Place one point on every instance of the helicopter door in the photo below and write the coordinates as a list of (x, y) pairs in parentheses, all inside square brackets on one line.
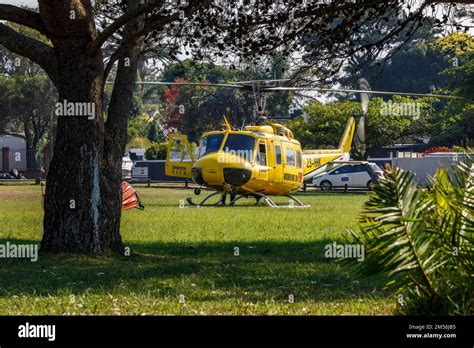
[(278, 164), (290, 168), (270, 161), (179, 157), (261, 160)]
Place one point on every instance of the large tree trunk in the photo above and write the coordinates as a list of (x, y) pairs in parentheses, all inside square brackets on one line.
[(79, 202), (121, 103), (83, 196)]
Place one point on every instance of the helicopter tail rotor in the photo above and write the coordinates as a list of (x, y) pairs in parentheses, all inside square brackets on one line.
[(359, 139)]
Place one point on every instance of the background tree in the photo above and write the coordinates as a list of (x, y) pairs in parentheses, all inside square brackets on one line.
[(157, 151), (152, 133), (414, 66), (26, 95), (325, 123), (454, 124), (27, 104), (194, 110), (138, 130)]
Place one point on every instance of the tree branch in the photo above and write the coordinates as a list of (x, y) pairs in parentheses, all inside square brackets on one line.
[(402, 26), (34, 50), (156, 22), (121, 21), (127, 43), (22, 16)]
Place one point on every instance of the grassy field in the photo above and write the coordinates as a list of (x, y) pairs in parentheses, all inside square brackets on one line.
[(183, 261)]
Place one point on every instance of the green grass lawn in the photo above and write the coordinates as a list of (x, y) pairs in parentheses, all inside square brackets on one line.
[(183, 261)]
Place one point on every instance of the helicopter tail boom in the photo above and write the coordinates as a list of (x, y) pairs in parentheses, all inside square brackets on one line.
[(318, 161)]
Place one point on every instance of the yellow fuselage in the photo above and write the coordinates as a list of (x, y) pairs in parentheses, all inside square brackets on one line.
[(273, 166), (260, 159)]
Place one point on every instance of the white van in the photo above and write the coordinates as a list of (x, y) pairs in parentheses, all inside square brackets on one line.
[(352, 175), (140, 171), (127, 166)]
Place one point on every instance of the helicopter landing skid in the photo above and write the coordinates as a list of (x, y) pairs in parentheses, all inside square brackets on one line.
[(202, 203), (294, 202)]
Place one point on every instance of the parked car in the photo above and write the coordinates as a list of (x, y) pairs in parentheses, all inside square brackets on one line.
[(140, 171), (352, 175)]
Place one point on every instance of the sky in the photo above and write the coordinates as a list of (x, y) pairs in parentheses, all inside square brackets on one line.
[(20, 2)]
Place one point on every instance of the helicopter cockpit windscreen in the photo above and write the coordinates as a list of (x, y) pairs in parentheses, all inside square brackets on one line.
[(210, 143), (240, 144)]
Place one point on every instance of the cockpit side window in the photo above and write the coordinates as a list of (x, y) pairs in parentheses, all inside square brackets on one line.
[(262, 151), (278, 154)]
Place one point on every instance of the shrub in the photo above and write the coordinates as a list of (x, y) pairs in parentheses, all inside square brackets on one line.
[(437, 149), (156, 152), (423, 239)]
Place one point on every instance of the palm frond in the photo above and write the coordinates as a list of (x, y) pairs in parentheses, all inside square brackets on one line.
[(391, 228), (423, 239)]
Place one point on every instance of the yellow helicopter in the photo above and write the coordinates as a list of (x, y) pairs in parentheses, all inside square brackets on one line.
[(261, 160), (258, 161)]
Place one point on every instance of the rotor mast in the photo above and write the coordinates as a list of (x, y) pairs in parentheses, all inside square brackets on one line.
[(260, 98)]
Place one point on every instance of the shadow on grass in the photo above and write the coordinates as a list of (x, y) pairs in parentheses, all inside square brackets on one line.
[(211, 270), (341, 192)]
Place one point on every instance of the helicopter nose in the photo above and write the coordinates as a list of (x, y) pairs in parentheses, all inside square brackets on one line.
[(220, 168), (207, 171), (197, 175)]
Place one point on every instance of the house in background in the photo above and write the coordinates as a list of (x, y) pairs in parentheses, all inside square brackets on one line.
[(13, 153), (384, 155), (412, 157), (425, 167)]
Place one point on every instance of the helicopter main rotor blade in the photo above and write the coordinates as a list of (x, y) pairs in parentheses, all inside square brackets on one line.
[(243, 85), (342, 90), (203, 84), (260, 81), (364, 96)]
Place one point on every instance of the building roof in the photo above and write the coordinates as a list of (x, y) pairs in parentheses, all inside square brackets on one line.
[(12, 142)]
